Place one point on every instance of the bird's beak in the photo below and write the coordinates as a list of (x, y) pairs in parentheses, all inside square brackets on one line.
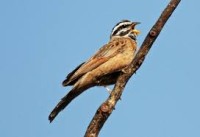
[(136, 23), (135, 31)]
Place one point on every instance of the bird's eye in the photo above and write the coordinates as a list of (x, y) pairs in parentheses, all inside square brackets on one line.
[(123, 26)]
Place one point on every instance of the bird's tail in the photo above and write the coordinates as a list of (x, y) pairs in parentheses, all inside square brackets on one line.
[(65, 101)]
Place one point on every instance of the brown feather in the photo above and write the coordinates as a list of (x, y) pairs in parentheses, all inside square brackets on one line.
[(66, 81)]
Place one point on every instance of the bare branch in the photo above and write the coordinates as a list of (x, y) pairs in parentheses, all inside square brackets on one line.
[(108, 106)]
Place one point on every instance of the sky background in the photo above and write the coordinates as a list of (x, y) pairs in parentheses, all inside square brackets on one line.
[(41, 41)]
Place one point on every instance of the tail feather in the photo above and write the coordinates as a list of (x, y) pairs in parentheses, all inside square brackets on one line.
[(63, 103)]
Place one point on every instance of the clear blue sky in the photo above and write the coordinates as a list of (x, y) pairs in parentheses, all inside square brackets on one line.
[(41, 41)]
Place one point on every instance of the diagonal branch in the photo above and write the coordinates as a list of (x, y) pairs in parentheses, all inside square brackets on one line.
[(108, 106)]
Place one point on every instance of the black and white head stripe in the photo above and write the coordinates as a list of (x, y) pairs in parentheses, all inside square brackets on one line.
[(122, 28)]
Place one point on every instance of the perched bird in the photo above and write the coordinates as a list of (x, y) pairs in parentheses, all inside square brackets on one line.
[(104, 67)]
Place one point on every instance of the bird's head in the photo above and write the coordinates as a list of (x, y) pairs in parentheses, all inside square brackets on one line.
[(125, 28)]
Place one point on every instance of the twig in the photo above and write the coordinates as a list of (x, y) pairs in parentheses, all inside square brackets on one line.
[(108, 106)]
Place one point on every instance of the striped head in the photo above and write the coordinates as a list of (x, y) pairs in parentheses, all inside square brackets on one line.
[(125, 28)]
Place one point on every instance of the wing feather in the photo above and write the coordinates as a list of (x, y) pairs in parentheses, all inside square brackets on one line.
[(64, 83), (103, 55)]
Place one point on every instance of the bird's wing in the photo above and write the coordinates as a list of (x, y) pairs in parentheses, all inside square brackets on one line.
[(70, 75), (105, 53)]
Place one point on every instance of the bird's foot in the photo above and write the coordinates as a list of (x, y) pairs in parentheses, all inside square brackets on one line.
[(109, 91)]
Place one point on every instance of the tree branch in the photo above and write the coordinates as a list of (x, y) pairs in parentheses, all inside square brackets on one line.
[(108, 106)]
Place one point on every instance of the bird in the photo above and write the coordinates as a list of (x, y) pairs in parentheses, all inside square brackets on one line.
[(104, 67)]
